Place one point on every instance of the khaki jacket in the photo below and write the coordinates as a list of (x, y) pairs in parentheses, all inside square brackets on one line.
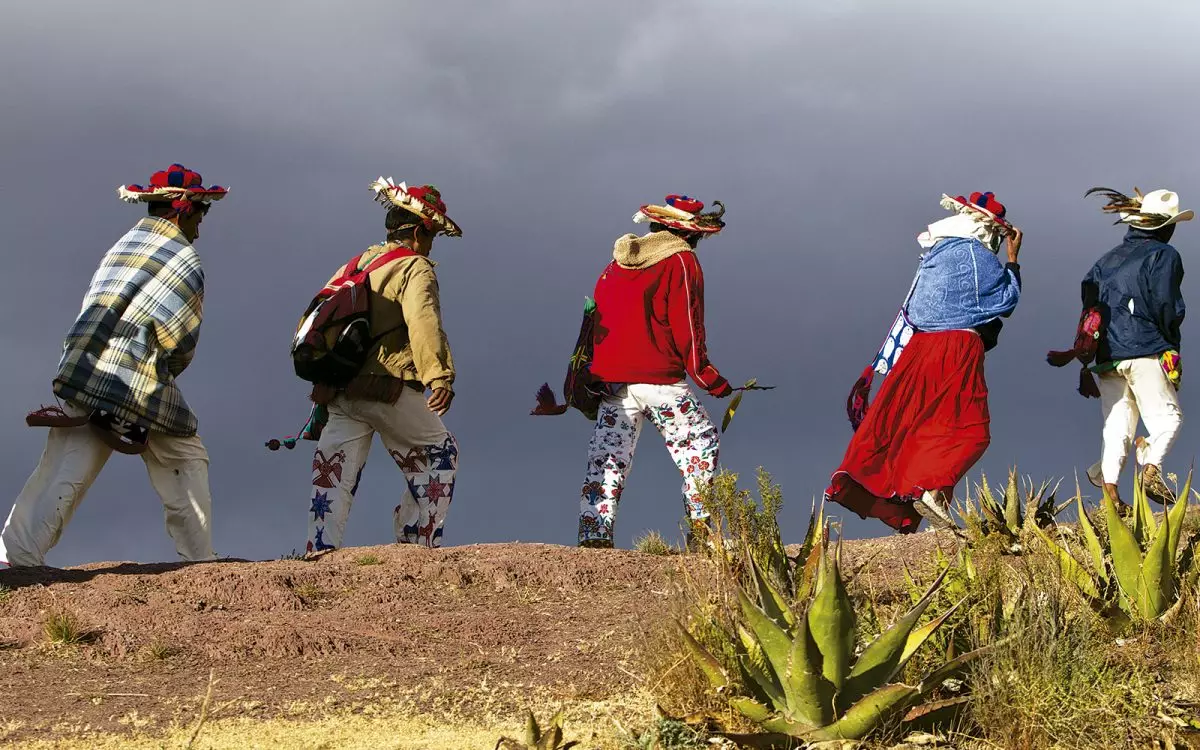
[(406, 313)]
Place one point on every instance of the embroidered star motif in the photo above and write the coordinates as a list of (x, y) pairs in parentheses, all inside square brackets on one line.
[(436, 490), (320, 506)]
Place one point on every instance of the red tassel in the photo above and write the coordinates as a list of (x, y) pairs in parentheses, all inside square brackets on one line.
[(1087, 384), (547, 404), (858, 400), (1061, 359)]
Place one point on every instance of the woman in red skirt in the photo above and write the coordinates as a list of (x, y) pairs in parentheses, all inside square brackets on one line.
[(929, 423)]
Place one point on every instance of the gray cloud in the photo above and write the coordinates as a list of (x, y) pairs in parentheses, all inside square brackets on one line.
[(829, 132)]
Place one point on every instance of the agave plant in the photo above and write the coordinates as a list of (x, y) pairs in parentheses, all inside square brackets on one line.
[(536, 738), (1016, 516), (1135, 575), (987, 612), (799, 672)]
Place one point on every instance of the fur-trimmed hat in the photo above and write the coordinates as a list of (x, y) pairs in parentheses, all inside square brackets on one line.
[(177, 185), (424, 201)]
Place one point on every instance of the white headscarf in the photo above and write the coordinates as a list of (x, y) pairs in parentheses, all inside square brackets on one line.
[(968, 225)]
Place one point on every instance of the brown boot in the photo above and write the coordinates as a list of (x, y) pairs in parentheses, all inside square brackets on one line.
[(1123, 508), (1155, 488)]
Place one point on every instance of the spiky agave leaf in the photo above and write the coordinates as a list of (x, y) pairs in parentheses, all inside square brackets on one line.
[(751, 709), (1012, 504), (883, 658), (811, 552), (868, 714), (1091, 539), (1144, 526), (831, 621), (1177, 514), (775, 646), (772, 600), (1126, 554), (533, 733), (917, 637), (1156, 584), (809, 695), (708, 664), (1070, 568), (989, 508)]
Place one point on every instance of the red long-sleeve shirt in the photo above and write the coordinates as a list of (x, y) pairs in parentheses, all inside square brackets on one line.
[(650, 325)]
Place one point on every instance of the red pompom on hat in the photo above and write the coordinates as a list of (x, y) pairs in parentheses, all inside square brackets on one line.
[(177, 185), (986, 204), (684, 203)]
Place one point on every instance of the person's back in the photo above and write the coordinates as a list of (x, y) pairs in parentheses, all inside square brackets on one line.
[(136, 332), (648, 336), (409, 354), (1136, 285), (1129, 335), (405, 318), (650, 314)]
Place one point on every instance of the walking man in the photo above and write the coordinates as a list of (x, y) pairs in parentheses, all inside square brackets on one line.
[(649, 334), (406, 354), (136, 334), (1133, 310)]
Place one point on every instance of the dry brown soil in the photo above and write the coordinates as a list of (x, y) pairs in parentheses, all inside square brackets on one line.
[(480, 624)]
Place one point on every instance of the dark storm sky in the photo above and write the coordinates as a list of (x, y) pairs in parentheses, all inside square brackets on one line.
[(829, 132)]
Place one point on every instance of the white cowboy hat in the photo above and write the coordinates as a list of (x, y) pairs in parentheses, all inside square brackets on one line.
[(1154, 210), (1160, 206)]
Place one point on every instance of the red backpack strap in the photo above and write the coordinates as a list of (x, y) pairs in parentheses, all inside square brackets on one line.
[(350, 269), (388, 257)]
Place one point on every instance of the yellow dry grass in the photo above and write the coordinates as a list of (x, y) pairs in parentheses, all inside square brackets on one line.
[(388, 725)]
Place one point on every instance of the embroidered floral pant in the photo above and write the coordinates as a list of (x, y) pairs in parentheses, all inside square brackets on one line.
[(73, 458), (417, 441), (690, 435)]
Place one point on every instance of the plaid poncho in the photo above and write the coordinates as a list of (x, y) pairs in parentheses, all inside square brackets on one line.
[(137, 330)]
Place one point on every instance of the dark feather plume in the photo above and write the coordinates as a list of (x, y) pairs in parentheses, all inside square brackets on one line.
[(1120, 204)]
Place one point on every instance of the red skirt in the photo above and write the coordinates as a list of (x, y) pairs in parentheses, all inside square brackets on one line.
[(927, 427)]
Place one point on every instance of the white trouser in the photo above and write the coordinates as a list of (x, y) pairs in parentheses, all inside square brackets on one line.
[(690, 435), (1137, 388), (74, 456), (417, 441)]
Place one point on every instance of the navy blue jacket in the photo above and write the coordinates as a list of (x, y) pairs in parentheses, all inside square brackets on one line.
[(1137, 286)]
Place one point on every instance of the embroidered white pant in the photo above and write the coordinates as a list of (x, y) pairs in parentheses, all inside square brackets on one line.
[(73, 458), (689, 434), (417, 441), (1137, 388)]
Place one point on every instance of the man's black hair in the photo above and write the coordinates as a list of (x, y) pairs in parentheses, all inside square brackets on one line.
[(163, 209), (401, 222)]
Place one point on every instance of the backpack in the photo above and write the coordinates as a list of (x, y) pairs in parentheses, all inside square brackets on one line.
[(334, 337)]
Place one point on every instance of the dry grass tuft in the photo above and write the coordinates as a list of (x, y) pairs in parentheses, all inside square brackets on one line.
[(159, 651), (63, 628), (368, 559), (653, 543)]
